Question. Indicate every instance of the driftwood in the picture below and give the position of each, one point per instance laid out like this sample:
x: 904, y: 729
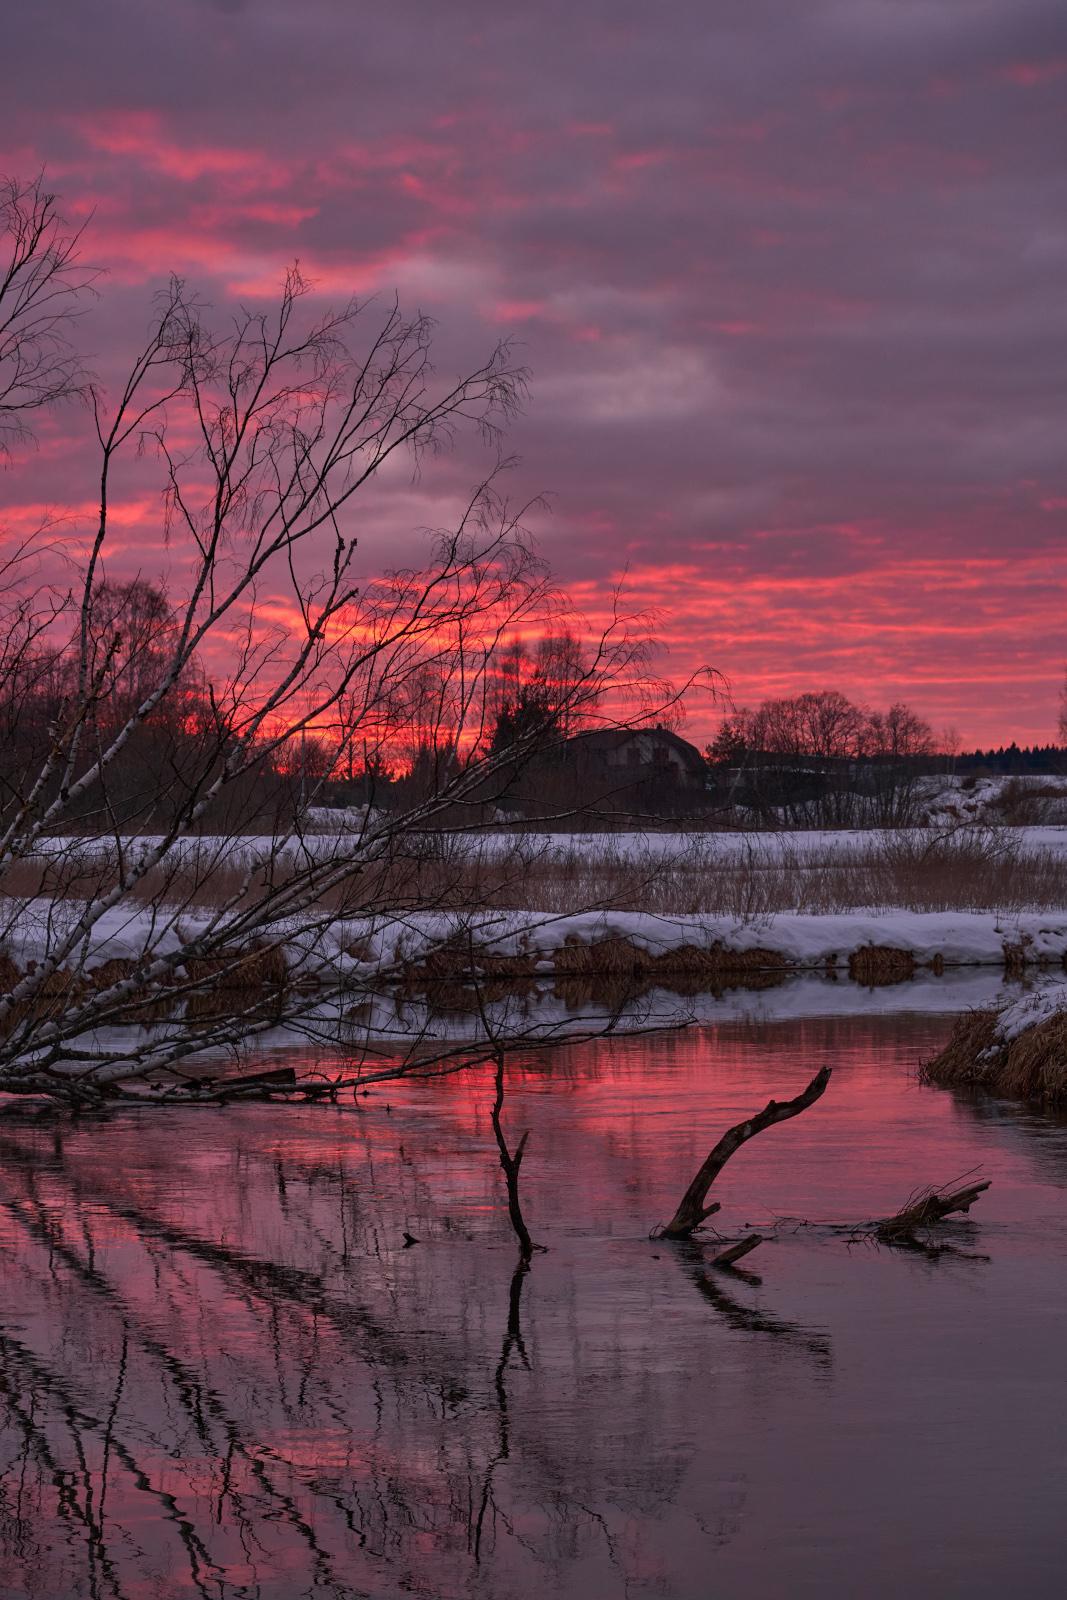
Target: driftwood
x: 242, y: 1086
x: 693, y: 1211
x: 933, y: 1205
x: 272, y: 1078
x: 729, y: 1257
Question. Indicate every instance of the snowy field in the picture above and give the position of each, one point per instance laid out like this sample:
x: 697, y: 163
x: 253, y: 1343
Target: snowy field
x: 810, y: 847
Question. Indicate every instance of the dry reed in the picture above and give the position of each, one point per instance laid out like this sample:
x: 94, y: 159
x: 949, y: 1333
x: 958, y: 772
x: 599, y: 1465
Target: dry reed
x: 979, y: 869
x: 876, y: 965
x: 1031, y: 1066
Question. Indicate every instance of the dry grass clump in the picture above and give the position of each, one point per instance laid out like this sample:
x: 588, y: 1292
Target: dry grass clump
x: 963, y: 1059
x: 719, y: 960
x: 973, y: 868
x: 1018, y: 954
x: 876, y: 965
x: 117, y: 969
x: 57, y: 991
x: 257, y: 977
x: 1032, y: 1066
x: 617, y: 957
x: 262, y: 966
x: 610, y: 972
x: 459, y: 960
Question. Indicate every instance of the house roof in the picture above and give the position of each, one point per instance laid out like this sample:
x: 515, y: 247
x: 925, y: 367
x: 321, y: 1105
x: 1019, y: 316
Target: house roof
x: 619, y: 738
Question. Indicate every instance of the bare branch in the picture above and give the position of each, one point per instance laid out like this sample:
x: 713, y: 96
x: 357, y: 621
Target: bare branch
x: 692, y: 1210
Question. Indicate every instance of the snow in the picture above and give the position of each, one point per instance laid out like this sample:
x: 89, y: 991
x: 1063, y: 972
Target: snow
x: 1029, y: 1010
x: 960, y: 938
x: 946, y: 800
x: 807, y: 848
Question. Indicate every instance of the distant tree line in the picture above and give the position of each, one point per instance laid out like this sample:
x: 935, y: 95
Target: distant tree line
x: 820, y: 760
x: 1050, y: 759
x: 87, y: 696
x: 540, y: 694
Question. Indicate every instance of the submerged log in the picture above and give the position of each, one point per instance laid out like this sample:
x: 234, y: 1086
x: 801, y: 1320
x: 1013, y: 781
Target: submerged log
x: 249, y: 1083
x: 692, y: 1210
x: 744, y: 1247
x: 932, y: 1206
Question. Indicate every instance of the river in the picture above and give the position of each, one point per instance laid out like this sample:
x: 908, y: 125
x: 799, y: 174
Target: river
x: 224, y: 1373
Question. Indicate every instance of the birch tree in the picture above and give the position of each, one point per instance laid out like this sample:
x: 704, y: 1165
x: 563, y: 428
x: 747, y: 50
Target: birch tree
x: 152, y: 725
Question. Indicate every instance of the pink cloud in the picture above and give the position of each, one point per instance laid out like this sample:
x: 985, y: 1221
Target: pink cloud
x: 1034, y: 74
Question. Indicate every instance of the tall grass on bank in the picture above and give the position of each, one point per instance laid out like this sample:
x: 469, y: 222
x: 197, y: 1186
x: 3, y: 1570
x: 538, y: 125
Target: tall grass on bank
x: 983, y: 869
x: 1032, y: 1065
x: 966, y: 869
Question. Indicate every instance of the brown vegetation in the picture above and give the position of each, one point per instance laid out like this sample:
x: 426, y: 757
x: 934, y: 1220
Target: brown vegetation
x: 919, y: 870
x: 877, y: 964
x: 1032, y: 1066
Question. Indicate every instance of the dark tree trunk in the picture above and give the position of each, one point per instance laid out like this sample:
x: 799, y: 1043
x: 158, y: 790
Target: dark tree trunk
x: 510, y: 1165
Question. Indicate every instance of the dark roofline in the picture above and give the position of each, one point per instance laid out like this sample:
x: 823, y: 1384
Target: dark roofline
x: 615, y: 738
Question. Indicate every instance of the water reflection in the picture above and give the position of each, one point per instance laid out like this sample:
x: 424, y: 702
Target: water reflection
x: 222, y: 1373
x: 715, y: 1287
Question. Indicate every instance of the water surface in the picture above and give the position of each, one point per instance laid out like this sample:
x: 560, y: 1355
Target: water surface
x: 223, y: 1374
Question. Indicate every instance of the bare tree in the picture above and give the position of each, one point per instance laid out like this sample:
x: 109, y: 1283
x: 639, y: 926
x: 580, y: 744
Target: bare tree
x: 41, y: 277
x: 271, y: 638
x: 820, y: 760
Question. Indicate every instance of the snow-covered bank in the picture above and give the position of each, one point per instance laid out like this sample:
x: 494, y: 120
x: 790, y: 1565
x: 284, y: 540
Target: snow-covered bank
x: 802, y: 941
x: 414, y: 1028
x: 1029, y: 1011
x: 365, y: 948
x: 545, y: 1016
x: 1017, y: 1048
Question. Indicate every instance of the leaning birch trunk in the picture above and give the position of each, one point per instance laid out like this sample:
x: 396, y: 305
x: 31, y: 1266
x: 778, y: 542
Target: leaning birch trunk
x: 693, y: 1211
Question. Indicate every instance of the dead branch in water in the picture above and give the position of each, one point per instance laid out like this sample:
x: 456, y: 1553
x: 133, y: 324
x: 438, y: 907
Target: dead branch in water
x: 510, y: 1164
x: 931, y: 1205
x: 692, y: 1211
x: 744, y: 1247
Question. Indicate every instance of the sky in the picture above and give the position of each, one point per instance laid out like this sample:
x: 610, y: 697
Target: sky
x: 791, y: 281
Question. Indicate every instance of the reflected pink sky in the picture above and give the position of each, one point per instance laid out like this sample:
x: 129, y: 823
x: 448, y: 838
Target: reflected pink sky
x: 222, y: 1373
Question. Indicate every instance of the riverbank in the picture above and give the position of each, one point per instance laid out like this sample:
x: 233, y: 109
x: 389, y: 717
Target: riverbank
x: 1017, y: 1049
x: 869, y: 947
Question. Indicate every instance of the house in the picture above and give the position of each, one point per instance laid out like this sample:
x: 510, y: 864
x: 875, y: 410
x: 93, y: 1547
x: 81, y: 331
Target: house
x: 611, y: 773
x: 642, y: 754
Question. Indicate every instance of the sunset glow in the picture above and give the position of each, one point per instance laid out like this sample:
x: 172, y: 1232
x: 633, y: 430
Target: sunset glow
x: 790, y: 288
